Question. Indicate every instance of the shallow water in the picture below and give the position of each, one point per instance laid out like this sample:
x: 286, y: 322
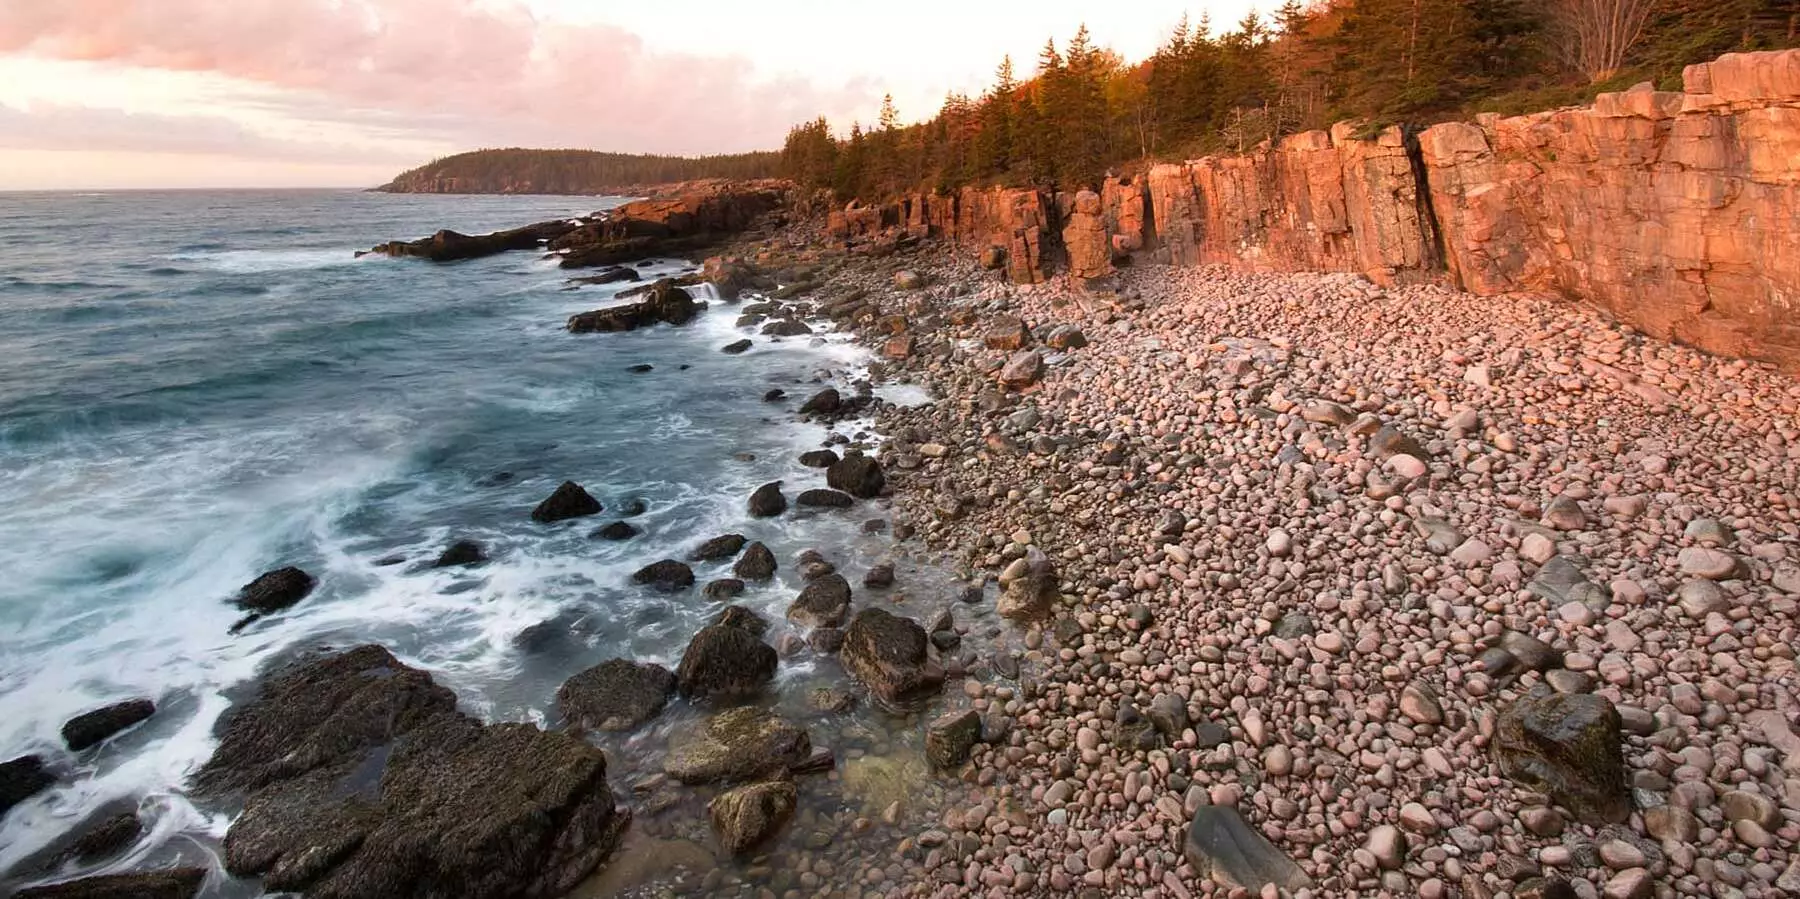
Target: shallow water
x: 196, y: 387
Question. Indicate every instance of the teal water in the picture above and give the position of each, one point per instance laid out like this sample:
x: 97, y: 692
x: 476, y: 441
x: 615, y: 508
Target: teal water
x: 196, y: 387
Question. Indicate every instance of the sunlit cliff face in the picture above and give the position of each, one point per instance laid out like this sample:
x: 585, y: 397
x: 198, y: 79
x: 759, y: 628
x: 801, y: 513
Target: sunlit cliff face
x: 119, y: 93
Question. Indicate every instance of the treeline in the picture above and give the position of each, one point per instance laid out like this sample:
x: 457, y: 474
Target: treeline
x: 1085, y: 111
x: 520, y: 171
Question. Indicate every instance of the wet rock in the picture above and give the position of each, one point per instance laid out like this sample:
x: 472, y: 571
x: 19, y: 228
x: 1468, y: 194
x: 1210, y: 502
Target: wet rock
x: 767, y: 501
x: 110, y: 836
x: 275, y: 590
x: 725, y: 661
x: 459, y: 554
x: 745, y: 743
x: 1221, y: 846
x: 825, y: 499
x: 858, y: 475
x: 878, y: 576
x: 666, y: 575
x: 366, y: 783
x: 818, y: 458
x: 618, y: 530
x: 21, y: 779
x: 743, y: 619
x: 748, y: 816
x: 825, y: 402
x: 826, y: 640
x: 787, y: 327
x: 949, y: 738
x: 890, y: 655
x: 823, y: 603
x: 1569, y: 746
x: 721, y: 547
x: 98, y: 726
x: 737, y: 347
x: 663, y: 303
x: 756, y: 564
x: 617, y: 694
x: 569, y: 501
x: 723, y: 589
x: 174, y: 883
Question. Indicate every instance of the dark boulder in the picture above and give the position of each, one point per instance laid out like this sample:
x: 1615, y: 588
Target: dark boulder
x: 823, y: 458
x: 743, y: 619
x: 618, y: 530
x: 98, y: 726
x: 879, y: 575
x: 825, y: 499
x: 174, y: 883
x: 767, y: 501
x: 617, y: 694
x: 642, y: 368
x: 950, y: 738
x: 664, y: 303
x: 365, y: 782
x: 786, y: 327
x: 1568, y: 745
x: 774, y: 396
x: 107, y: 838
x: 722, y: 547
x: 723, y: 589
x: 823, y: 603
x: 746, y: 817
x: 858, y: 475
x: 461, y: 553
x: 667, y: 575
x: 1221, y: 846
x: 275, y: 590
x: 21, y: 779
x: 737, y: 347
x: 890, y: 655
x: 725, y: 661
x: 634, y: 507
x: 449, y: 246
x: 756, y: 564
x: 745, y: 743
x: 825, y: 402
x: 569, y: 501
x: 611, y: 275
x: 825, y: 640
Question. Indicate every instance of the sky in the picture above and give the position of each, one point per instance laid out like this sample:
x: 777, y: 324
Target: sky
x: 300, y: 93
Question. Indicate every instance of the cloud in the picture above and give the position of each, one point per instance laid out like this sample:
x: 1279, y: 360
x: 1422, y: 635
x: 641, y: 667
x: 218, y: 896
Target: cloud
x: 88, y: 129
x: 473, y: 73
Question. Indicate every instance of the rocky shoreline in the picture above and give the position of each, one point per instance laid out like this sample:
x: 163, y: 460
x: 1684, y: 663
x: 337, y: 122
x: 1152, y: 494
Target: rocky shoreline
x: 1285, y: 584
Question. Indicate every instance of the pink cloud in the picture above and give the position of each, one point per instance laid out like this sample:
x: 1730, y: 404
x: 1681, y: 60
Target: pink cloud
x: 44, y: 127
x: 489, y: 74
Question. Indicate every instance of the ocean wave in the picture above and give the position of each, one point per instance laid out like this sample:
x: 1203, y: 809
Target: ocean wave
x: 243, y: 262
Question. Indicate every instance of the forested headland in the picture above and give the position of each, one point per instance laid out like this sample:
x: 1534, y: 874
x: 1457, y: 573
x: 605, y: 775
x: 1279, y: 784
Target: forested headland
x: 522, y: 171
x: 1210, y: 89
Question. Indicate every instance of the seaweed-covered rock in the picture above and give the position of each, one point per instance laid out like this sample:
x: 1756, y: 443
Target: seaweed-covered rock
x: 666, y: 575
x: 734, y: 746
x: 749, y: 815
x: 949, y: 739
x: 823, y: 603
x: 721, y: 547
x: 1567, y: 745
x: 725, y: 661
x: 890, y: 655
x: 617, y: 694
x: 756, y: 564
x: 569, y: 501
x: 767, y: 501
x: 174, y: 883
x: 858, y: 475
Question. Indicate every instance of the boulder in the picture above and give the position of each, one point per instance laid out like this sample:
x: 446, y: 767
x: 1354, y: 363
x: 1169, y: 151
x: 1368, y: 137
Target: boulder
x: 365, y: 782
x: 786, y: 327
x: 107, y: 838
x: 825, y: 499
x: 459, y: 554
x: 1568, y: 745
x: 767, y: 501
x: 858, y: 475
x: 1033, y: 594
x: 900, y: 346
x: 725, y: 661
x: 1006, y: 332
x: 756, y: 564
x: 748, y: 816
x: 21, y: 779
x: 1066, y: 337
x: 618, y: 530
x: 737, y: 745
x: 890, y: 655
x: 569, y: 501
x: 664, y: 303
x: 721, y: 547
x: 737, y: 347
x: 950, y: 738
x: 98, y: 726
x: 617, y: 694
x: 450, y: 246
x: 743, y: 619
x: 667, y: 575
x: 823, y: 603
x: 174, y: 883
x: 1222, y: 847
x: 1022, y: 369
x: 275, y: 590
x: 825, y: 402
x: 823, y: 458
x: 722, y: 589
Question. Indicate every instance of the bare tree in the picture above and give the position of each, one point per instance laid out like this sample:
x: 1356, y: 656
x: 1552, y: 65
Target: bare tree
x: 1594, y: 35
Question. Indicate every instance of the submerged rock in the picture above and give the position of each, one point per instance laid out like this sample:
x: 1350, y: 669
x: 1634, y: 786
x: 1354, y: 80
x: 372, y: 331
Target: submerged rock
x: 721, y: 547
x: 825, y: 499
x: 275, y: 590
x: 461, y: 553
x: 737, y: 745
x: 617, y: 694
x: 98, y: 726
x: 725, y: 661
x: 824, y: 602
x: 1220, y: 845
x: 174, y: 883
x: 21, y: 779
x: 108, y: 837
x: 667, y: 575
x: 618, y: 530
x: 747, y: 816
x: 949, y: 739
x: 569, y: 501
x: 890, y: 655
x: 1569, y: 746
x: 767, y: 501
x: 365, y: 782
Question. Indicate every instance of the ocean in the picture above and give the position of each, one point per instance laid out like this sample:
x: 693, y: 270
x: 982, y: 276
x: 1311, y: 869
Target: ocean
x: 196, y: 387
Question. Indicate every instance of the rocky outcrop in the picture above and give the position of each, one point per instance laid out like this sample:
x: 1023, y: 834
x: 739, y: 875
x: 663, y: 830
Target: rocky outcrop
x: 685, y: 221
x: 665, y: 303
x: 450, y: 246
x: 891, y: 656
x: 1085, y: 238
x: 175, y: 883
x: 363, y: 780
